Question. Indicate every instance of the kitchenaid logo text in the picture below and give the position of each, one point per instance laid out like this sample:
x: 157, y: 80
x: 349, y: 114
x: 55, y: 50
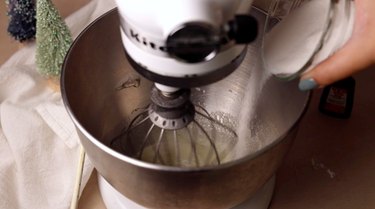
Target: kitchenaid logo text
x: 145, y: 41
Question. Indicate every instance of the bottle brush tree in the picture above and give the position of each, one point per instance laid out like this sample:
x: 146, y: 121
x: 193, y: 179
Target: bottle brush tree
x: 22, y: 21
x: 53, y: 39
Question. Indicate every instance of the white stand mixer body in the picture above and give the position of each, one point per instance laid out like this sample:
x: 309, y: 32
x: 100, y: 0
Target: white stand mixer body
x: 146, y: 26
x: 115, y: 200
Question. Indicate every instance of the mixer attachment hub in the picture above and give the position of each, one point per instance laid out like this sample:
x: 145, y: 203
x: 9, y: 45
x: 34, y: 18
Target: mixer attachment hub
x: 171, y: 111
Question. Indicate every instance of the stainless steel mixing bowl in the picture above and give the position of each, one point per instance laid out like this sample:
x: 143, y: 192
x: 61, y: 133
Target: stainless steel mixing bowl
x: 101, y: 90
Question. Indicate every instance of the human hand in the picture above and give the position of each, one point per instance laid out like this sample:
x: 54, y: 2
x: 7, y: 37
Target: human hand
x: 356, y: 55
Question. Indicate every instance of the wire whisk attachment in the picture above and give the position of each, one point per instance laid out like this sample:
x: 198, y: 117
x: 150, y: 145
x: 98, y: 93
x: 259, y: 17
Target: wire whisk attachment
x: 172, y: 131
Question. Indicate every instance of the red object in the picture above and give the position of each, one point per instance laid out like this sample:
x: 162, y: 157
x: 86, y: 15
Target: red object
x: 337, y: 98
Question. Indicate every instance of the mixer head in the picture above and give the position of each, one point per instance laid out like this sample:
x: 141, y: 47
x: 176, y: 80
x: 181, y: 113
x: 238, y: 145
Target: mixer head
x: 186, y: 43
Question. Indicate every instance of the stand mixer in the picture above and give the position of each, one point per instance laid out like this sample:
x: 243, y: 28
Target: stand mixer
x: 180, y: 45
x: 159, y: 124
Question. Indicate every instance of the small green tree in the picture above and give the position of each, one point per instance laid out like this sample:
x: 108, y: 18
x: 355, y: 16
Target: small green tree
x: 53, y: 39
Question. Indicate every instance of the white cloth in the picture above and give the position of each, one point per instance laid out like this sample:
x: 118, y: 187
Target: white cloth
x: 39, y: 146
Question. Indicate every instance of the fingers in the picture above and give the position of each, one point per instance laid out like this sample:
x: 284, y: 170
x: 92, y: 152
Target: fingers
x: 358, y: 53
x: 352, y: 58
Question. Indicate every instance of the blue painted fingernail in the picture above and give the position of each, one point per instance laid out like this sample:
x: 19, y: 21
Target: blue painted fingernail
x: 307, y: 84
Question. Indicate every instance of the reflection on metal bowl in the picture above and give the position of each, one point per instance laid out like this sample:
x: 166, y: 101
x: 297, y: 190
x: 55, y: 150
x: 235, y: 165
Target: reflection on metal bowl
x: 101, y: 91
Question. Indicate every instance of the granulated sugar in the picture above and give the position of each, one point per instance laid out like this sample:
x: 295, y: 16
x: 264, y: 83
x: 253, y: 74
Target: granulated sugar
x: 248, y: 141
x: 293, y: 41
x: 307, y: 36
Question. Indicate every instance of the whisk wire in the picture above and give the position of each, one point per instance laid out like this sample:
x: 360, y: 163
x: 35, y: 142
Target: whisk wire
x: 208, y: 117
x: 228, y: 148
x: 193, y: 147
x: 145, y: 140
x: 126, y: 130
x: 209, y: 139
x: 176, y: 146
x: 130, y: 127
x: 157, y: 153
